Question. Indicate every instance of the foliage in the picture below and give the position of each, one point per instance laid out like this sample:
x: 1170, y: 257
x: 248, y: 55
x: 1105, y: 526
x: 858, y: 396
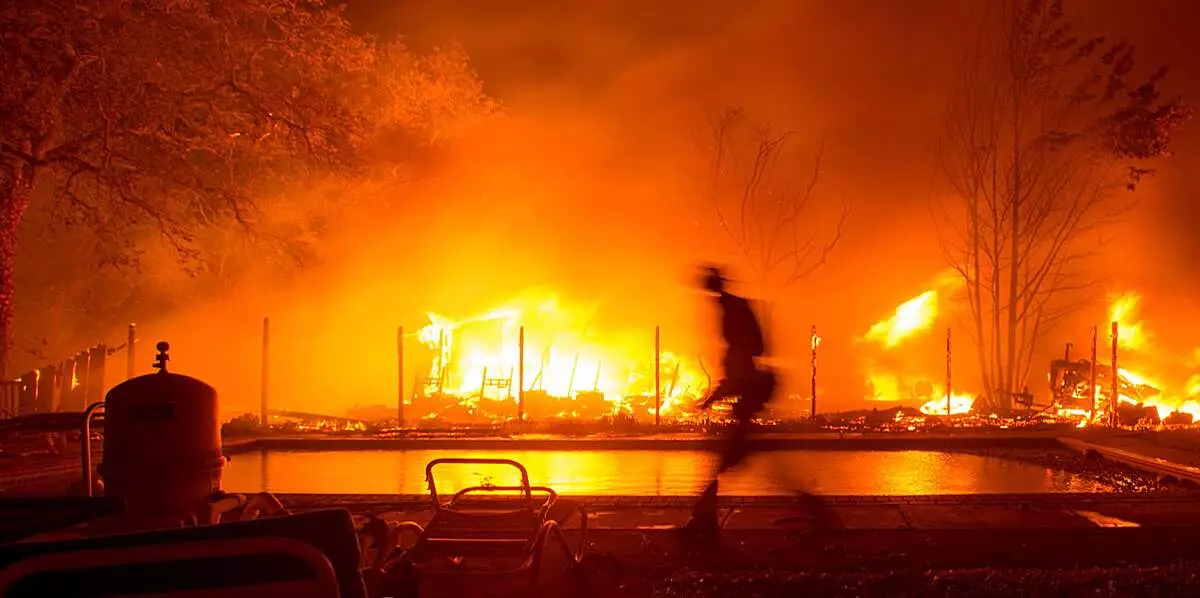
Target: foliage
x: 1043, y: 130
x: 176, y: 118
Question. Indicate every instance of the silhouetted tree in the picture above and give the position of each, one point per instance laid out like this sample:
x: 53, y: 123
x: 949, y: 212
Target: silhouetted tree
x: 1043, y: 131
x: 763, y: 205
x: 179, y: 114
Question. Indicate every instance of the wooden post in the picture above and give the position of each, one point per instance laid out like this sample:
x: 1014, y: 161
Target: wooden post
x: 657, y: 376
x: 1092, y: 385
x: 131, y: 352
x: 441, y: 361
x: 1115, y: 399
x: 949, y: 403
x: 266, y: 352
x: 814, y: 341
x: 400, y: 377
x: 521, y: 375
x: 97, y: 357
x: 571, y: 380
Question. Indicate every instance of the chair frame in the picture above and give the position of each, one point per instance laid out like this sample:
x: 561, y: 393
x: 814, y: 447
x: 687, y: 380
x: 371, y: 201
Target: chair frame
x: 528, y: 547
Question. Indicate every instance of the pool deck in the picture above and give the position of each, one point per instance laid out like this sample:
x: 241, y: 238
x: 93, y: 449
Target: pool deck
x: 1073, y: 511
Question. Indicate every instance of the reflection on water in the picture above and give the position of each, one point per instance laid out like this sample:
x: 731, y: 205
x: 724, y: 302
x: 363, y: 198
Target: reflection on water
x: 649, y: 473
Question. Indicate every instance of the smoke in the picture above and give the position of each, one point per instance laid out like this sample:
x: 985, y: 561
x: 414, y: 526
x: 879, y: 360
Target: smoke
x: 592, y: 185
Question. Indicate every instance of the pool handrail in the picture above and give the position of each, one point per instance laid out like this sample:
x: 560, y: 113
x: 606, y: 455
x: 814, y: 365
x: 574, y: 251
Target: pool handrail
x: 85, y: 442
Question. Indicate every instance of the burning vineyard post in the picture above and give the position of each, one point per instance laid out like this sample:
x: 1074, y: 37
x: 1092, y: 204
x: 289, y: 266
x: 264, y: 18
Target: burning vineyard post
x: 949, y: 408
x: 657, y: 374
x: 400, y: 377
x: 1092, y: 381
x: 1115, y: 397
x: 131, y: 352
x: 814, y: 341
x: 521, y: 375
x: 266, y: 348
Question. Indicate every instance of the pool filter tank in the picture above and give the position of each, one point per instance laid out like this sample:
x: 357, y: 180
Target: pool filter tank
x: 162, y: 442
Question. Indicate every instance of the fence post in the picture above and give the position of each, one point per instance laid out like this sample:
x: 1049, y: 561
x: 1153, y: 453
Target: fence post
x: 131, y: 352
x: 657, y: 375
x: 814, y: 341
x: 1092, y: 382
x: 1115, y: 399
x: 949, y: 403
x: 521, y: 375
x: 400, y: 377
x: 266, y: 351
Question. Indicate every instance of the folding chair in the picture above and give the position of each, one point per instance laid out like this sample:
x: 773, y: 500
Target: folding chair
x: 503, y: 526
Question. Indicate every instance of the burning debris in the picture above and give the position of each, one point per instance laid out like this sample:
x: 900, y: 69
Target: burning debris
x: 540, y: 360
x: 1085, y: 392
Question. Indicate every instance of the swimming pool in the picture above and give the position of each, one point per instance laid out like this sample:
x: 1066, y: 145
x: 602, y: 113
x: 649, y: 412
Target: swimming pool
x: 651, y: 473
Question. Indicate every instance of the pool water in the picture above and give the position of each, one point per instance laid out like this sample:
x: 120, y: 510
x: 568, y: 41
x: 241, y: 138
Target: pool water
x: 650, y: 473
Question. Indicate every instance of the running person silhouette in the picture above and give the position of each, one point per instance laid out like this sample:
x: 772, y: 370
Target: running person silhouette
x: 752, y: 385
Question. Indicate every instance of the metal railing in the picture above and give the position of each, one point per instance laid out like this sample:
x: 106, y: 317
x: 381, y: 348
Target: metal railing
x: 85, y: 444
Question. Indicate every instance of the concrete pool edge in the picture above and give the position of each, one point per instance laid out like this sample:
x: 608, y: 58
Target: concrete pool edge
x: 664, y: 501
x: 1135, y: 460
x: 765, y: 442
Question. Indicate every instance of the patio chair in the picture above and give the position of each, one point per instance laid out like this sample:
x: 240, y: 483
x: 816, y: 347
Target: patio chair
x: 491, y: 530
x: 306, y: 555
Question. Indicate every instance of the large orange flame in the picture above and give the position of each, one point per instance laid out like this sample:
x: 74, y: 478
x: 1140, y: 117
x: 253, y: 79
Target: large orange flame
x: 477, y: 358
x: 1135, y: 338
x: 911, y: 317
x: 1124, y: 310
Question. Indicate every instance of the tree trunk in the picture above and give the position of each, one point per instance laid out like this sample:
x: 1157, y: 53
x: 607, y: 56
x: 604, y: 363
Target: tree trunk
x: 12, y: 208
x: 8, y: 251
x: 976, y: 291
x: 1016, y: 64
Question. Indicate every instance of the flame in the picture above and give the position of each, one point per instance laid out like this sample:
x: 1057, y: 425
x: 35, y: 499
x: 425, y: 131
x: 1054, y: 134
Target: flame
x: 477, y: 359
x: 915, y: 315
x: 959, y: 404
x: 1135, y: 337
x: 1124, y: 310
x: 908, y: 320
x: 889, y: 387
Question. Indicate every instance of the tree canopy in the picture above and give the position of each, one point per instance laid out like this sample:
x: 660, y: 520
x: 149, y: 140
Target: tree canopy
x: 1045, y: 127
x: 173, y: 115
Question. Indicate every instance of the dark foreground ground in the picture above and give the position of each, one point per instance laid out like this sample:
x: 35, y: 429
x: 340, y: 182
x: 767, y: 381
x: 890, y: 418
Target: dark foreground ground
x: 1142, y: 539
x: 926, y: 562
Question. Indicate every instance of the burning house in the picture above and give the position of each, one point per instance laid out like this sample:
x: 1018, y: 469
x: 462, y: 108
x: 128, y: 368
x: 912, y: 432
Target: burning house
x: 541, y: 361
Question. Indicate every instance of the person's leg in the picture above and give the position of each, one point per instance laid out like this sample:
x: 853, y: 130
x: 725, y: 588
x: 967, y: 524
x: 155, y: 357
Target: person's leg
x: 705, y: 513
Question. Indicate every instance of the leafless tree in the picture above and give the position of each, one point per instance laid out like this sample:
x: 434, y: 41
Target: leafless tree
x: 763, y: 203
x: 1043, y: 133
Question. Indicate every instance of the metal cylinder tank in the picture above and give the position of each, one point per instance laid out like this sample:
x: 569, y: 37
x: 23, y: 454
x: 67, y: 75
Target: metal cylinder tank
x: 162, y: 442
